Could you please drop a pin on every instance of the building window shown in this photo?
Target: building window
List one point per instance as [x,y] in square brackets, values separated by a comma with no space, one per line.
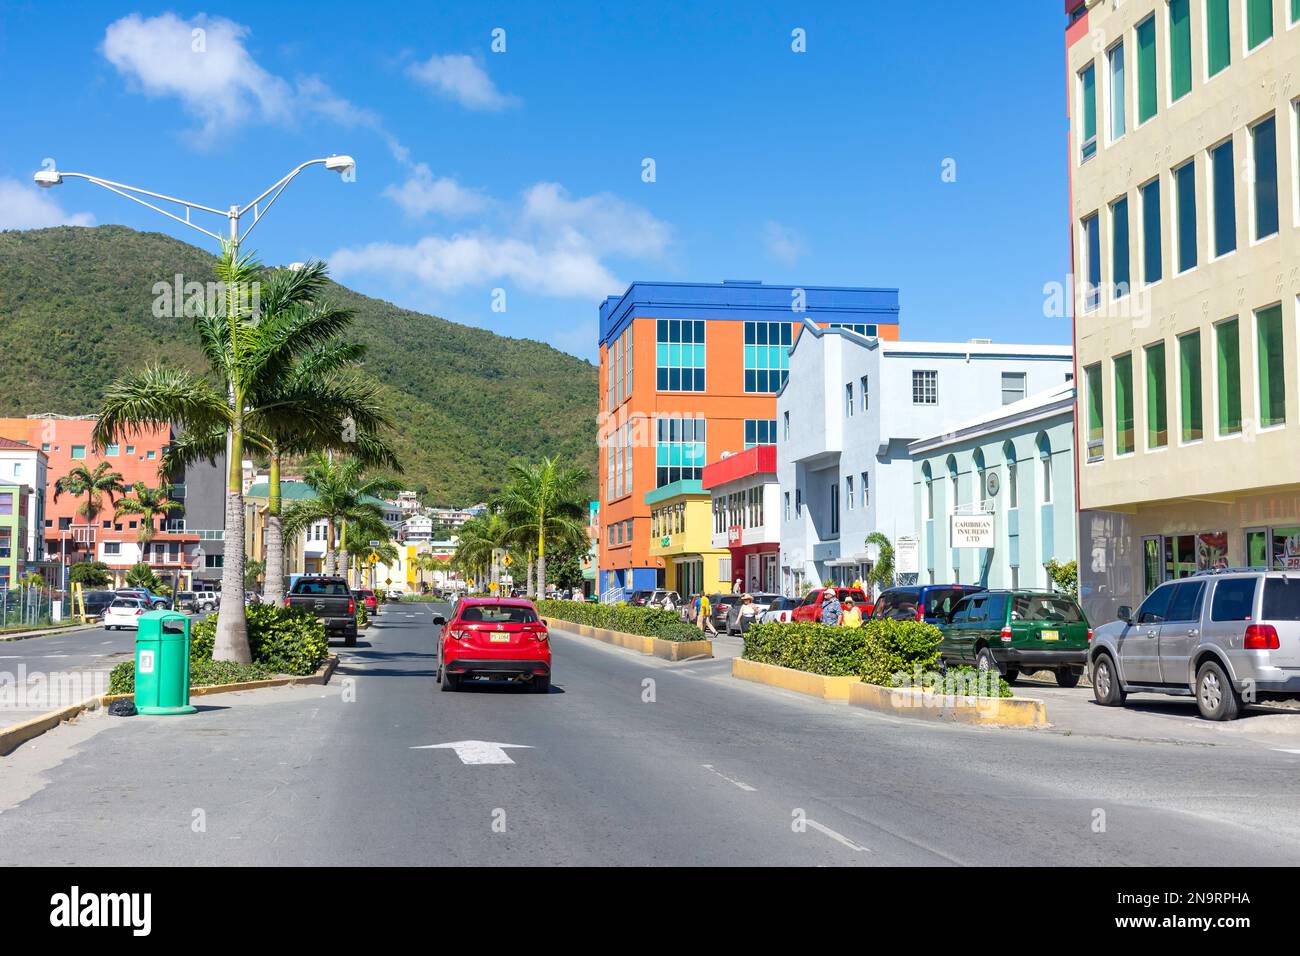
[798,502]
[1272,375]
[1146,69]
[870,331]
[1091,249]
[1087,112]
[849,497]
[1124,438]
[1190,386]
[866,489]
[1218,37]
[6,503]
[1259,22]
[1013,475]
[1180,49]
[929,495]
[1096,425]
[1263,148]
[767,355]
[1152,261]
[1157,397]
[679,450]
[925,387]
[786,416]
[1185,214]
[112,450]
[760,431]
[1045,469]
[848,400]
[862,383]
[78,452]
[1228,340]
[1117,91]
[1223,205]
[679,355]
[787,506]
[1119,248]
[150,455]
[835,507]
[1013,387]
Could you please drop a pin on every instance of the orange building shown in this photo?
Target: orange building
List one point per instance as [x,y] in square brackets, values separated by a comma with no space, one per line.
[688,371]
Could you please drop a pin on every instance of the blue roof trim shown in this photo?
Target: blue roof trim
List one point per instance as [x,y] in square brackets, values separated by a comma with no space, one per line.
[744,300]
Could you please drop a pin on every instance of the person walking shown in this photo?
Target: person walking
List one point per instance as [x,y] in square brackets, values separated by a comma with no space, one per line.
[831,610]
[852,616]
[705,617]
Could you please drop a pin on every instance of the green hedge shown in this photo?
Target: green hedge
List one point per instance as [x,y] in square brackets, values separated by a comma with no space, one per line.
[875,652]
[122,678]
[644,621]
[287,640]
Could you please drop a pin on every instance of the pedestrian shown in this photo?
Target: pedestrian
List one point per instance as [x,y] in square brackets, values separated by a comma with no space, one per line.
[852,616]
[831,609]
[739,586]
[745,616]
[705,619]
[668,602]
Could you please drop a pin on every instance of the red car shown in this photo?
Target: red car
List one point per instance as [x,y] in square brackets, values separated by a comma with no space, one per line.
[811,608]
[371,602]
[494,637]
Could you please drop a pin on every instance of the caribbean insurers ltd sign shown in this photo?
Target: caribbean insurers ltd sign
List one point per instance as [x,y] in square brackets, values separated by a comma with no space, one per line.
[971,531]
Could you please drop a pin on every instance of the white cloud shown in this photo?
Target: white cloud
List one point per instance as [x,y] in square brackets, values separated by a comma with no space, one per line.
[601,221]
[422,194]
[459,77]
[27,207]
[783,243]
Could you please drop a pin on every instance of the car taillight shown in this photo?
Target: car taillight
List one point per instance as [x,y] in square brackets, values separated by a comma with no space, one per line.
[288,601]
[1006,633]
[139,610]
[1089,635]
[459,635]
[1261,637]
[920,612]
[352,606]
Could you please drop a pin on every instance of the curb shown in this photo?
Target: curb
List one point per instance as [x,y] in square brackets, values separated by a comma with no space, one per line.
[48,632]
[898,701]
[650,646]
[11,738]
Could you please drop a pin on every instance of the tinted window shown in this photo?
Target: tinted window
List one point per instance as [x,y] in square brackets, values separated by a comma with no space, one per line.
[1186,604]
[1281,599]
[496,614]
[322,588]
[1154,608]
[962,611]
[126,602]
[1045,607]
[939,602]
[978,609]
[903,606]
[1234,600]
[997,608]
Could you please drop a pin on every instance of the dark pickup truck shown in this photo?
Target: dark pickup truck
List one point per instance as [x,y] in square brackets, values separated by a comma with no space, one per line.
[331,600]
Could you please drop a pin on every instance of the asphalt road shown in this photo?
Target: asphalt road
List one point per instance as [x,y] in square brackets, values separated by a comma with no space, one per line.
[693,768]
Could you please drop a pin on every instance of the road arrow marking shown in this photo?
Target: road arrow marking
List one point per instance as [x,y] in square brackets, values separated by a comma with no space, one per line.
[478,751]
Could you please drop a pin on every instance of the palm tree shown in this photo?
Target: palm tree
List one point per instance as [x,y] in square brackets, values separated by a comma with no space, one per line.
[341,493]
[94,485]
[149,504]
[243,355]
[480,538]
[545,502]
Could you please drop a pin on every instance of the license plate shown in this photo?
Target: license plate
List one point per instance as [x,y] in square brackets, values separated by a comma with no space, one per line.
[499,638]
[1051,635]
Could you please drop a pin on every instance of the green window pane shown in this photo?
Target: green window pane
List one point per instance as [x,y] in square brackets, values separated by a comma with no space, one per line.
[1119,250]
[1264,137]
[1229,377]
[1259,22]
[1124,438]
[1096,427]
[1157,397]
[1272,376]
[1118,92]
[1185,199]
[1146,42]
[1088,93]
[1189,386]
[1218,35]
[1257,543]
[1180,48]
[1151,254]
[1225,203]
[1295,10]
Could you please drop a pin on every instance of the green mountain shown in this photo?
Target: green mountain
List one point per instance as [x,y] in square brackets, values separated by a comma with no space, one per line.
[76,311]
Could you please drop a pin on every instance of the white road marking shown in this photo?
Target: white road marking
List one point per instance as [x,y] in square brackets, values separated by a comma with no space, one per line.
[477,751]
[838,837]
[743,786]
[1283,750]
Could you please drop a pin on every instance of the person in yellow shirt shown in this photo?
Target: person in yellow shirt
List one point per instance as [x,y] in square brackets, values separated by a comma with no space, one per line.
[852,614]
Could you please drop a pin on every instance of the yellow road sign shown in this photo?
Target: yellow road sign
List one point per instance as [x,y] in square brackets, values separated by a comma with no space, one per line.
[469,583]
[507,560]
[492,586]
[374,558]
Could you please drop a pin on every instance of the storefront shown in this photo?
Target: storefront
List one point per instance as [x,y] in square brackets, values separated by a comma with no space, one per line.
[680,541]
[745,514]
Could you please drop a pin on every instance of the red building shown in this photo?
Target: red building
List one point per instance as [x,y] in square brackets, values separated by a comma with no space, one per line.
[746,521]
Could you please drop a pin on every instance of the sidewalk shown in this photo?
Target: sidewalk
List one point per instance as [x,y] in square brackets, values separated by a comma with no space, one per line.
[47,631]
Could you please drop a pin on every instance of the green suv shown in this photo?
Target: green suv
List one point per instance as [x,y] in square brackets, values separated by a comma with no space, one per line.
[1019,630]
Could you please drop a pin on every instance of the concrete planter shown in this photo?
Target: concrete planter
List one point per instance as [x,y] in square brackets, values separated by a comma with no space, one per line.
[651,646]
[949,708]
[786,678]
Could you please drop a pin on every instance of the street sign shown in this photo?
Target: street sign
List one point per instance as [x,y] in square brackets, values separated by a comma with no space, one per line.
[492,587]
[478,751]
[388,581]
[375,543]
[507,560]
[971,531]
[907,555]
[374,558]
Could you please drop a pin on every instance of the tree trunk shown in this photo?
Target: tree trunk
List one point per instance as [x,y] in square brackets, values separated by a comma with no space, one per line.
[530,574]
[541,575]
[331,563]
[231,643]
[274,557]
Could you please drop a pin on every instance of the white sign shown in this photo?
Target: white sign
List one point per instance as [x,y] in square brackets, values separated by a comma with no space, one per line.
[907,555]
[477,751]
[146,662]
[970,531]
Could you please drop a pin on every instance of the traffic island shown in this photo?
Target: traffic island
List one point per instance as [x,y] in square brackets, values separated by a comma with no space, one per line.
[787,678]
[651,646]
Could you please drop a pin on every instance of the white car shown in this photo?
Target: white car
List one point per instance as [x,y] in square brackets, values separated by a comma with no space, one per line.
[124,614]
[780,611]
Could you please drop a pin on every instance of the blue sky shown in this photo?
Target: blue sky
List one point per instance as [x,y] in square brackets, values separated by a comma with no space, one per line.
[522,170]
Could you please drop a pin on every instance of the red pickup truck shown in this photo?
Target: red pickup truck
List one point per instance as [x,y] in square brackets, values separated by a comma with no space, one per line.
[811,608]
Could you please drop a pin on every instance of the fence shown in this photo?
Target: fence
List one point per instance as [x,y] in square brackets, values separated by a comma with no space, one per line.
[25,606]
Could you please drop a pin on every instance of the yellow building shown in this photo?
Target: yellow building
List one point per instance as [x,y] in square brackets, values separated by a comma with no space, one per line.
[681,540]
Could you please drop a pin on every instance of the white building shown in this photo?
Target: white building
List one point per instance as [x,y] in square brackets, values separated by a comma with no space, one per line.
[23,464]
[417,529]
[845,418]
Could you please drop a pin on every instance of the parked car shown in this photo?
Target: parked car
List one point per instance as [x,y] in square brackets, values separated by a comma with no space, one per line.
[124,613]
[97,602]
[1014,631]
[932,603]
[1224,637]
[396,594]
[720,606]
[331,600]
[660,596]
[639,598]
[494,637]
[737,623]
[810,609]
[368,601]
[207,601]
[185,602]
[779,611]
[156,602]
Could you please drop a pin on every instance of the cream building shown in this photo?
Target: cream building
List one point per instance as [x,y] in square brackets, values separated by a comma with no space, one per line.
[1184,217]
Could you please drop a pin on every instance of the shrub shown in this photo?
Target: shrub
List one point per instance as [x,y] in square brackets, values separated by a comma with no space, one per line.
[202,673]
[286,640]
[644,621]
[874,652]
[961,681]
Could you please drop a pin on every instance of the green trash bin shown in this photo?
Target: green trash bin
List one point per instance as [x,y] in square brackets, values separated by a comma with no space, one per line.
[162,664]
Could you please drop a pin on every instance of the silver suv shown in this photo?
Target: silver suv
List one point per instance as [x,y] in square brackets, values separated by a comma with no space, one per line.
[1228,637]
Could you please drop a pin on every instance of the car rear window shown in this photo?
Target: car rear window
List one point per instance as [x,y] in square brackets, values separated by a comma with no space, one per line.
[498,614]
[1281,599]
[126,602]
[1043,607]
[322,588]
[939,602]
[1234,600]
